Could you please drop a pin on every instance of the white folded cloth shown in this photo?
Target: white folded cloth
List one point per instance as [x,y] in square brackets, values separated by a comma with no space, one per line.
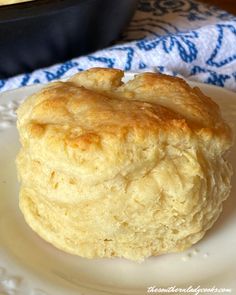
[181,37]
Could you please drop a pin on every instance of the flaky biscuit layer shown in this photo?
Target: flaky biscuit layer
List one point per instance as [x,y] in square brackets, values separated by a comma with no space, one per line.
[129,170]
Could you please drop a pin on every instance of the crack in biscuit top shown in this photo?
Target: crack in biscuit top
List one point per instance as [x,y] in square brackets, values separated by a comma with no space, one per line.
[97,125]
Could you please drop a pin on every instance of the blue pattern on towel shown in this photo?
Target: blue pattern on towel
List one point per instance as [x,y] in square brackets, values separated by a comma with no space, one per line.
[176,37]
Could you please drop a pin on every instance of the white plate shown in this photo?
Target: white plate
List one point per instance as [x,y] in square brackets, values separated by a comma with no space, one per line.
[30,266]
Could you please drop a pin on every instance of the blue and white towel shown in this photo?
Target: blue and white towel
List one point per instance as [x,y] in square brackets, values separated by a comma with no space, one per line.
[177,37]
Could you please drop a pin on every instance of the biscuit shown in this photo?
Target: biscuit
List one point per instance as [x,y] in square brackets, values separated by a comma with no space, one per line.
[130,170]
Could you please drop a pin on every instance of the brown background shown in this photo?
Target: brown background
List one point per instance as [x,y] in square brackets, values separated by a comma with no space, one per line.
[229,5]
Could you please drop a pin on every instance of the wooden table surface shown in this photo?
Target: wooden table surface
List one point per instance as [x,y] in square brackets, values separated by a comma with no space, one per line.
[228,5]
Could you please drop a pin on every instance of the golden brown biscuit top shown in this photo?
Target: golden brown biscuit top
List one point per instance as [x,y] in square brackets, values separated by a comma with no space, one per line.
[95,119]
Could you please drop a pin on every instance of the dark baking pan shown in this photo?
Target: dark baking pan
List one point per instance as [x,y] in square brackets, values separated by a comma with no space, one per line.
[43,32]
